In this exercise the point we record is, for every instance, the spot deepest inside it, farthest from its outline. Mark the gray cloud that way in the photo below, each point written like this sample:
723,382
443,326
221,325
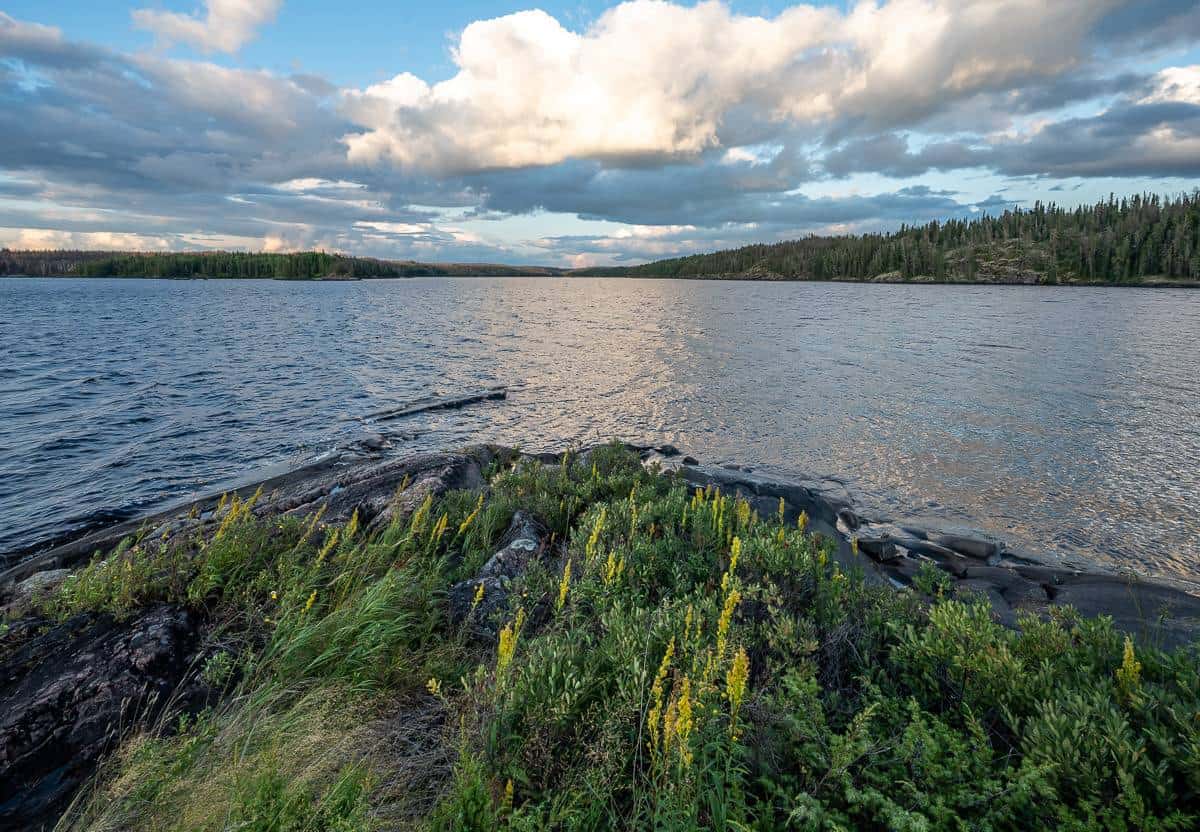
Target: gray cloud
1156,139
97,141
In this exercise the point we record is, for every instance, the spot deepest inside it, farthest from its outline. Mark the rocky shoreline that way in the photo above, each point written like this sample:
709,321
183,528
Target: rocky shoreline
69,691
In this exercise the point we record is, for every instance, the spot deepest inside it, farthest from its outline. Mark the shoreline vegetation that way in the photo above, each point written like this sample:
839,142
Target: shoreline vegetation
1139,240
309,265
615,637
1142,240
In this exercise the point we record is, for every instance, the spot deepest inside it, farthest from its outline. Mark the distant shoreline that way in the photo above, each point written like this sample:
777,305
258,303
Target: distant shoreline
738,278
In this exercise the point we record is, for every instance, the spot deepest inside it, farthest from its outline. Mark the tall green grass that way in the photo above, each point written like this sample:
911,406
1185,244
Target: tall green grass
673,661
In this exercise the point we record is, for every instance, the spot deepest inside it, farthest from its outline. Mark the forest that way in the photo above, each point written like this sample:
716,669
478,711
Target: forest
1127,240
310,265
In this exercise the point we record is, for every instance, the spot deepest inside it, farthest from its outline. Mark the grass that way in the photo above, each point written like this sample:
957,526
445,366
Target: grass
674,662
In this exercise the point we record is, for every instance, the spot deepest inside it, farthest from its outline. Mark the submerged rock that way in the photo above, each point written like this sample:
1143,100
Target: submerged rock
68,694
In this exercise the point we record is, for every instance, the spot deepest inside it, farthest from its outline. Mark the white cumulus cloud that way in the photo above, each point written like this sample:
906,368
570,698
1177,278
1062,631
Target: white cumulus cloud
224,25
652,79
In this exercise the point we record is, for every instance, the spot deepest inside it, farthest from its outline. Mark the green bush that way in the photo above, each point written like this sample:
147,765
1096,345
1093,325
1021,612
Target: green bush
676,662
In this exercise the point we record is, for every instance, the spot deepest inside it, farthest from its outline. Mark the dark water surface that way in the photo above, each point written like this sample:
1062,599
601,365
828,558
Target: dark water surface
1064,420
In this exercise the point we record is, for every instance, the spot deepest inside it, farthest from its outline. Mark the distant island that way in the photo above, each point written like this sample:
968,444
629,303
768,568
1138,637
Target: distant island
1144,240
309,265
1139,240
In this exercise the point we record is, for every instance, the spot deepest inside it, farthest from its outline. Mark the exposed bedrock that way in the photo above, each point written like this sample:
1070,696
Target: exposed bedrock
974,562
341,486
68,694
523,543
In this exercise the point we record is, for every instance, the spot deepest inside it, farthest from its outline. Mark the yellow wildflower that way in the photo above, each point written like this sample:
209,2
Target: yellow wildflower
782,509
478,596
564,586
684,721
330,541
352,526
434,686
312,599
466,524
508,642
594,538
802,521
439,528
421,516
506,808
735,687
1130,672
505,649
656,694
614,568
742,514
731,602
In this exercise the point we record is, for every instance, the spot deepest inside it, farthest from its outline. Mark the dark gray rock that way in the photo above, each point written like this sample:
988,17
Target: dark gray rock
522,543
27,593
848,518
879,548
340,486
69,693
969,545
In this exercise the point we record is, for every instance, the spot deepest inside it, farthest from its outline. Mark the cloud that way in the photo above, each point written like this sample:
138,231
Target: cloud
43,239
657,130
652,80
1175,83
226,25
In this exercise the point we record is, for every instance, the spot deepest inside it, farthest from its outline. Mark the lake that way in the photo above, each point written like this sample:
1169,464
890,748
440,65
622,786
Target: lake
1066,421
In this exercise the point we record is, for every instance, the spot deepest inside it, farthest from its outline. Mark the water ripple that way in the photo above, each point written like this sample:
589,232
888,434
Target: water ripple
1061,419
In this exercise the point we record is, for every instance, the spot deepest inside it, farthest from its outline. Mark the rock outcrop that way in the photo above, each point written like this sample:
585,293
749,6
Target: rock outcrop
69,693
524,542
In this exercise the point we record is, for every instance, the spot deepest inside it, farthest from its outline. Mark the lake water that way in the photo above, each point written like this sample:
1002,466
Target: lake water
1066,421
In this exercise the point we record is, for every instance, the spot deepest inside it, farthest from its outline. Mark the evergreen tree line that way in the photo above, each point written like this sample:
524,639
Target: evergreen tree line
1115,241
231,264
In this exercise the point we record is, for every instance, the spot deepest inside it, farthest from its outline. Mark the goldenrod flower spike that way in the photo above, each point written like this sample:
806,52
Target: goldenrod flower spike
735,687
594,538
439,528
1130,672
505,649
731,602
466,524
684,721
564,586
330,542
656,694
478,596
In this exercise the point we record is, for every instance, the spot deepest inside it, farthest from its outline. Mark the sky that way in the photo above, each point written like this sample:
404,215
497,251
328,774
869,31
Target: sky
575,133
